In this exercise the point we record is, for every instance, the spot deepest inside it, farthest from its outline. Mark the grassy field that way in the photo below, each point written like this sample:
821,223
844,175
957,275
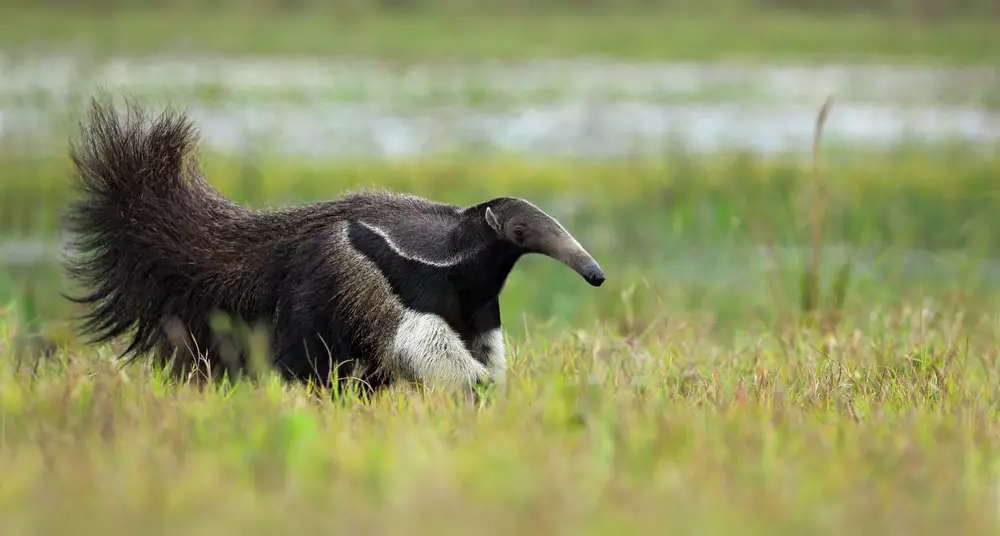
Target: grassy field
705,388
886,425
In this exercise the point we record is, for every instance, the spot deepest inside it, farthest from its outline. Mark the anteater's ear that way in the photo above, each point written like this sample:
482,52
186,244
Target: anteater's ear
491,219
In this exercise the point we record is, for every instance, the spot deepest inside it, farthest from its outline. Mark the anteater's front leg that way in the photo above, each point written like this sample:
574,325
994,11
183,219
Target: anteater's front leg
427,350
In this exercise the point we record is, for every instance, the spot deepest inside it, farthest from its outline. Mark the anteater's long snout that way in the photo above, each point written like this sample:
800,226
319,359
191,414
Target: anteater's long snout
572,254
588,268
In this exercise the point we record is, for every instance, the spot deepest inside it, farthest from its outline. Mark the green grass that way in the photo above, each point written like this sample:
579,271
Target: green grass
936,197
888,423
656,34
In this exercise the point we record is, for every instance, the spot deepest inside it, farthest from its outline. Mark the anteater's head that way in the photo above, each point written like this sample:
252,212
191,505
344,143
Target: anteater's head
530,230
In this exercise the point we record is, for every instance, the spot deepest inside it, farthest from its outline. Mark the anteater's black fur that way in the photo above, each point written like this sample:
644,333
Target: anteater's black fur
163,251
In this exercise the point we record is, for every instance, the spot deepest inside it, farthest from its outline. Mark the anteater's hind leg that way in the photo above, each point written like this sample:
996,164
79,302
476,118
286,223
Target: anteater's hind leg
192,357
182,364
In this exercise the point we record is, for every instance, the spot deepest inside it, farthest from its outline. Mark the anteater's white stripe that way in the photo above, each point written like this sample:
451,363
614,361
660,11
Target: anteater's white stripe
446,263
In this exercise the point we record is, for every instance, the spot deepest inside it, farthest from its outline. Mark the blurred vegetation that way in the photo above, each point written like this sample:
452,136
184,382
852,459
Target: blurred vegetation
931,9
912,197
678,234
450,29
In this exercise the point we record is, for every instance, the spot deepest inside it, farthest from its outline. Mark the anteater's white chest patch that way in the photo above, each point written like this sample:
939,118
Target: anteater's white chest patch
429,349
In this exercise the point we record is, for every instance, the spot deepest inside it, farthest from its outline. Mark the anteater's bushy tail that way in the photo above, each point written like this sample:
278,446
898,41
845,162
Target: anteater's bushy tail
152,237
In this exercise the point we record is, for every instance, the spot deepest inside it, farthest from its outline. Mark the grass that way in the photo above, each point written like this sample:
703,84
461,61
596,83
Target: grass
657,34
937,197
887,423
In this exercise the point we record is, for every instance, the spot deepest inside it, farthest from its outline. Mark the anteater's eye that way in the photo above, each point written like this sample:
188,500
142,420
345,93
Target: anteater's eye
518,234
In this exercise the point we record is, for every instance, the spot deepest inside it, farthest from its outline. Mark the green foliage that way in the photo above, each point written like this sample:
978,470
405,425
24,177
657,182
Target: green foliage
915,198
719,29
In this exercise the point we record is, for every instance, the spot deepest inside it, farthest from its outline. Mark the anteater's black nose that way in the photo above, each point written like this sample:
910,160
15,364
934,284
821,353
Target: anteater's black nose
594,276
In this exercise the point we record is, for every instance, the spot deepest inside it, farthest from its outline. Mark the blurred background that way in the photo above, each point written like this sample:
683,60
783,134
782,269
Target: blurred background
673,137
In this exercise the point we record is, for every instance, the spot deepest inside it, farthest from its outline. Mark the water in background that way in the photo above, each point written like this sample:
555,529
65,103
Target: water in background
329,108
